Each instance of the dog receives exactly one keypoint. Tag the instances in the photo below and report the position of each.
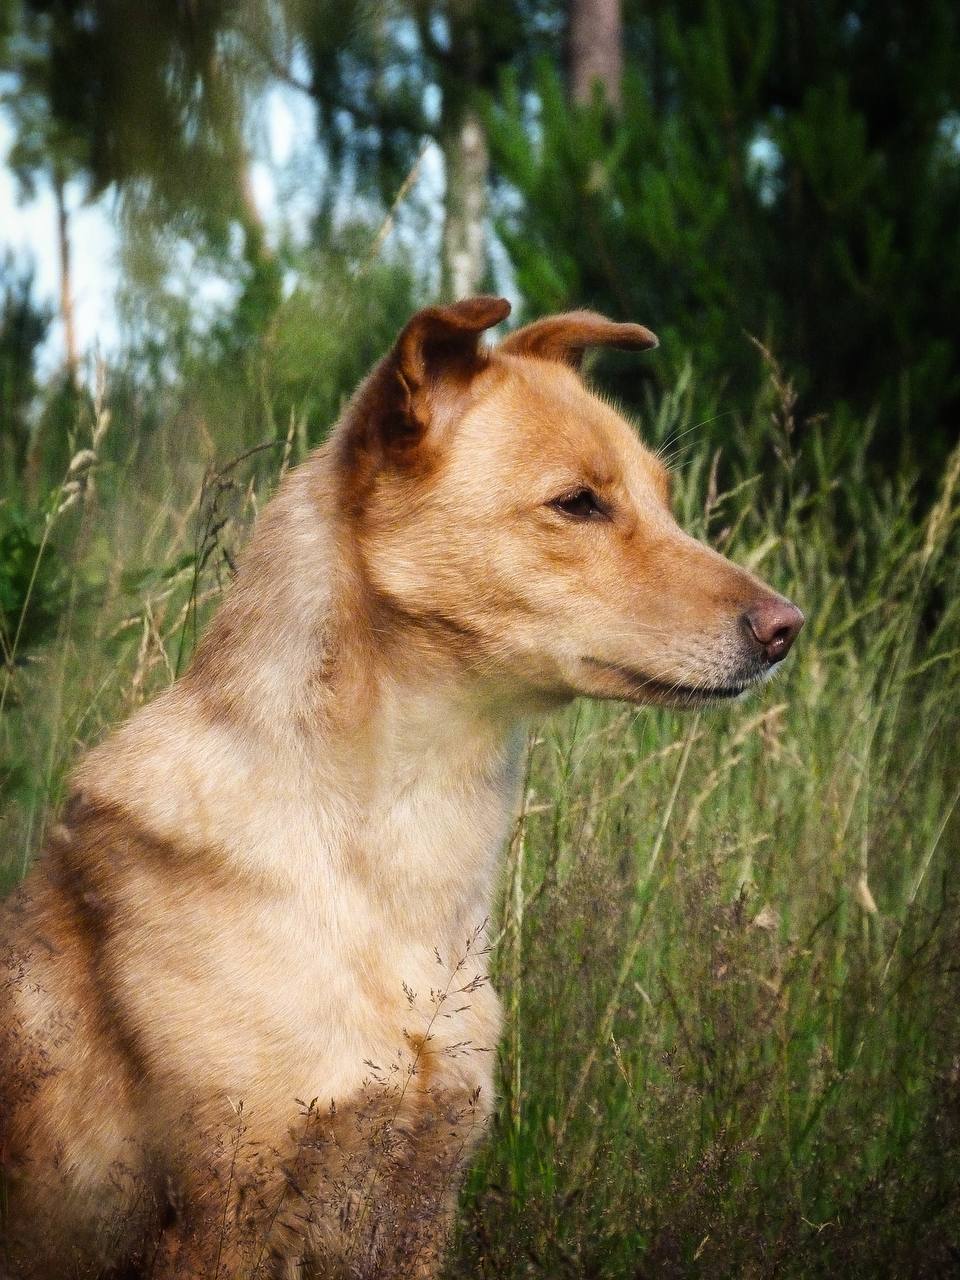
(245, 1022)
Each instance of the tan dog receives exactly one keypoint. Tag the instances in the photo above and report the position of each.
(245, 1027)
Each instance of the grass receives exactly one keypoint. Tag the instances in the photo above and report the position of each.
(727, 942)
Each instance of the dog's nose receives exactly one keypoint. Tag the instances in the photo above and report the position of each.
(774, 623)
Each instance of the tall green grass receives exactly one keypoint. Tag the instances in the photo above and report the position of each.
(728, 942)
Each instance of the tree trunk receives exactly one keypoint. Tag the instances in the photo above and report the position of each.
(251, 218)
(466, 159)
(66, 280)
(596, 50)
(466, 162)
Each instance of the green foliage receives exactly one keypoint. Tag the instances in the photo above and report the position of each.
(31, 585)
(727, 943)
(791, 174)
(273, 362)
(23, 328)
(384, 75)
(34, 580)
(159, 101)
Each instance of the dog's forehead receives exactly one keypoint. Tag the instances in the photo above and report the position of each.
(541, 415)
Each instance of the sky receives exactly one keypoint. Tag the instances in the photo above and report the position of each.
(287, 171)
(28, 232)
(282, 138)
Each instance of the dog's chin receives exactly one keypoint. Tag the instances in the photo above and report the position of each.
(615, 681)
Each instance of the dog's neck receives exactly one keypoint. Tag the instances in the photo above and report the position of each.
(300, 654)
(378, 727)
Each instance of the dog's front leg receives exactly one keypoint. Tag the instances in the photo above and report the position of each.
(411, 1205)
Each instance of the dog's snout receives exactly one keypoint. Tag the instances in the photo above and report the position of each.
(774, 623)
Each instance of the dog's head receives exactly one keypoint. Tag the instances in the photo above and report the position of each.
(505, 512)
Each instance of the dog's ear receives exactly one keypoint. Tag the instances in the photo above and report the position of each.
(438, 344)
(391, 416)
(565, 338)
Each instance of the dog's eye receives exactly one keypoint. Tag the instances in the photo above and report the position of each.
(582, 504)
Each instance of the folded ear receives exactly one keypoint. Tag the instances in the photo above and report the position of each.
(437, 343)
(392, 411)
(567, 337)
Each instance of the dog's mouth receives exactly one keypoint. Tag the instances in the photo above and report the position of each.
(637, 686)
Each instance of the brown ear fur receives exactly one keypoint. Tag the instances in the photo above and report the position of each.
(438, 336)
(391, 412)
(566, 337)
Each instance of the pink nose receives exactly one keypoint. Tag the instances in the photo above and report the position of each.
(774, 623)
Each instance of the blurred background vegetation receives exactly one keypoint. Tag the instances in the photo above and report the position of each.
(728, 944)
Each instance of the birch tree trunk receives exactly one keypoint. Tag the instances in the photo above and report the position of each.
(67, 313)
(467, 163)
(466, 158)
(596, 50)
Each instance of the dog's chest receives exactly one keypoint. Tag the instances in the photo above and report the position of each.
(369, 948)
(429, 853)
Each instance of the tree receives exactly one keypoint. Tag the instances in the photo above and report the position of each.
(596, 50)
(23, 328)
(155, 109)
(46, 149)
(423, 70)
(788, 171)
(466, 157)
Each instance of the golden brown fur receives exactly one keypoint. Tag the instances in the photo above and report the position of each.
(245, 1026)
